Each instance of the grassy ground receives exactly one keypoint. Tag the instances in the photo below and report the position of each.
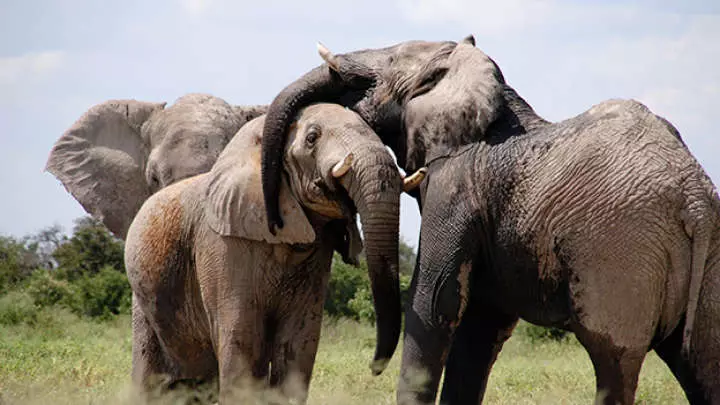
(64, 360)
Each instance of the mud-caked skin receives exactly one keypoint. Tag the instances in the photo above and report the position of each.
(217, 297)
(603, 224)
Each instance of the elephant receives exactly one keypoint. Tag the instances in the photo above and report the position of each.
(121, 151)
(216, 295)
(603, 224)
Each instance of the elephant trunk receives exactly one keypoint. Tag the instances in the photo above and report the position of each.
(375, 188)
(318, 84)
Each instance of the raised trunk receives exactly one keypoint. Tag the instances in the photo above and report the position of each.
(318, 84)
(375, 188)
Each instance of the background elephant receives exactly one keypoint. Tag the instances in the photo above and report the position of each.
(121, 151)
(603, 224)
(215, 292)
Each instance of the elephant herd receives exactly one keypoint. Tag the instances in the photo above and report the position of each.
(603, 224)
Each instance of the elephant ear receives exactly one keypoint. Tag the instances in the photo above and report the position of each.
(458, 96)
(235, 205)
(100, 161)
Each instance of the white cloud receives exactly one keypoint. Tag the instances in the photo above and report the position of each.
(509, 16)
(195, 6)
(17, 68)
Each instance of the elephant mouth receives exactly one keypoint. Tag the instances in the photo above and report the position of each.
(332, 201)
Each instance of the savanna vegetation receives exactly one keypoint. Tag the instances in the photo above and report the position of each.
(65, 334)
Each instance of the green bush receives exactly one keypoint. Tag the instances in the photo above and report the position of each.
(536, 333)
(102, 295)
(46, 289)
(345, 281)
(361, 305)
(17, 307)
(17, 262)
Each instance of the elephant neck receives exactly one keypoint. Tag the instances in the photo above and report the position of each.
(517, 118)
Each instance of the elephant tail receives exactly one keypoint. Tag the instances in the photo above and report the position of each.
(704, 216)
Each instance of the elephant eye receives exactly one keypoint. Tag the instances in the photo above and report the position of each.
(313, 135)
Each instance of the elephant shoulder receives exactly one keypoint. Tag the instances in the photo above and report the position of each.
(618, 110)
(624, 118)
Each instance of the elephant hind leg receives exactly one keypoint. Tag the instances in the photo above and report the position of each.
(698, 371)
(670, 351)
(616, 368)
(475, 347)
(151, 369)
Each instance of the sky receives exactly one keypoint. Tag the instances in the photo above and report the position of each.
(59, 58)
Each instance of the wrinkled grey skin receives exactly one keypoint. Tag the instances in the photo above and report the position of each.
(216, 295)
(603, 224)
(121, 151)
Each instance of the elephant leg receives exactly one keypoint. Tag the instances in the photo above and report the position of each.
(150, 365)
(616, 368)
(476, 344)
(670, 351)
(698, 371)
(295, 348)
(243, 353)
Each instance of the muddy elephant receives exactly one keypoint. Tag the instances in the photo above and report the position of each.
(603, 224)
(217, 295)
(121, 151)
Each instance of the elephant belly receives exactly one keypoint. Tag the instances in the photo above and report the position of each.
(524, 288)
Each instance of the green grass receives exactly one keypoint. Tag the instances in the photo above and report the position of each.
(62, 359)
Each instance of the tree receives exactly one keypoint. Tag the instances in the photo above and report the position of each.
(16, 262)
(90, 248)
(407, 258)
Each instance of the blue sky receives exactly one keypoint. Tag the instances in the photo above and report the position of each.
(57, 59)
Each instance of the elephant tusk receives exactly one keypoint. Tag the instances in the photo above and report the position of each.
(328, 57)
(414, 180)
(342, 166)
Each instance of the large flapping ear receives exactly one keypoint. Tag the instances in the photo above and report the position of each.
(100, 161)
(462, 104)
(235, 204)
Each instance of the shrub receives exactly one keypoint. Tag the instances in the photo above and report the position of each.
(17, 261)
(47, 290)
(361, 305)
(536, 333)
(17, 307)
(102, 295)
(345, 281)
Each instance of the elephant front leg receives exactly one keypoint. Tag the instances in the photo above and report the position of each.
(475, 347)
(295, 347)
(435, 312)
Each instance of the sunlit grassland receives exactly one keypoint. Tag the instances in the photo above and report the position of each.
(66, 360)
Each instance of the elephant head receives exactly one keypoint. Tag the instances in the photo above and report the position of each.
(334, 167)
(121, 151)
(420, 97)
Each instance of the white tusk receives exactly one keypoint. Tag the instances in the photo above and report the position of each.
(327, 56)
(414, 180)
(342, 166)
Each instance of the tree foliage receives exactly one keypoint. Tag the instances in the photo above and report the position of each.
(91, 248)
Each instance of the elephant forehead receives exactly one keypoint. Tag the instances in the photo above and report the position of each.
(329, 115)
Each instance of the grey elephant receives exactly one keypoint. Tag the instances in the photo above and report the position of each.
(603, 224)
(217, 295)
(121, 151)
